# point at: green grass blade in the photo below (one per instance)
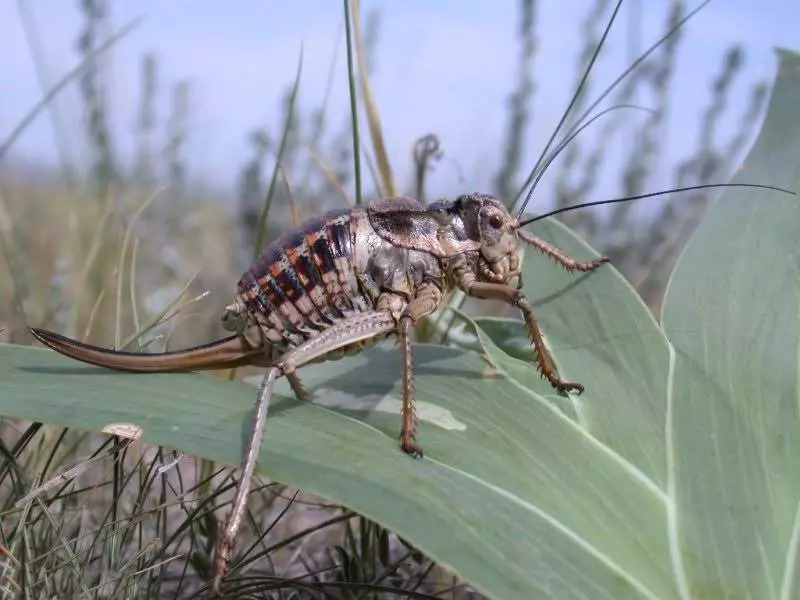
(371, 108)
(261, 231)
(121, 263)
(351, 80)
(60, 85)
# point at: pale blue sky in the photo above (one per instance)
(445, 66)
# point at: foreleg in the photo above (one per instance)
(566, 261)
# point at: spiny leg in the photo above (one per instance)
(499, 291)
(543, 358)
(566, 261)
(408, 417)
(226, 540)
(424, 303)
(351, 330)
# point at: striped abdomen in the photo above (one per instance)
(305, 280)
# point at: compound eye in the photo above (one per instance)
(496, 221)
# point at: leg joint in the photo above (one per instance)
(521, 301)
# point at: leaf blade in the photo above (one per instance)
(496, 541)
(734, 326)
(602, 334)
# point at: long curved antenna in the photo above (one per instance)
(602, 96)
(564, 209)
(565, 142)
(572, 102)
(642, 58)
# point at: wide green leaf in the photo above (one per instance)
(511, 494)
(604, 336)
(731, 312)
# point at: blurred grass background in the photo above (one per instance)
(101, 249)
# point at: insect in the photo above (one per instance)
(339, 283)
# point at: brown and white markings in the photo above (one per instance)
(341, 282)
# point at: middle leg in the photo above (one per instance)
(427, 300)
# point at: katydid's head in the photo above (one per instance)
(487, 220)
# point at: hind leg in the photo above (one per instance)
(358, 327)
(226, 540)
